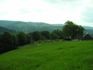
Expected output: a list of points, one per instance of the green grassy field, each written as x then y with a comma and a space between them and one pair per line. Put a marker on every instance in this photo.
55, 55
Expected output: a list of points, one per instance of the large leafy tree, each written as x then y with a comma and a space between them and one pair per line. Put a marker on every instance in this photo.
72, 31
7, 42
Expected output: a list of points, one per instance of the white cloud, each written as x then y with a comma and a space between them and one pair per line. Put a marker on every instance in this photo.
51, 11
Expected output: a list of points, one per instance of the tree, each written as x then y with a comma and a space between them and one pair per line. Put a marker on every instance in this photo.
72, 31
59, 33
7, 42
45, 35
29, 40
54, 35
22, 38
80, 32
36, 36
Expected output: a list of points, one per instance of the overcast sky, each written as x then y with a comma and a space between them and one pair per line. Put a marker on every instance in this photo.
49, 11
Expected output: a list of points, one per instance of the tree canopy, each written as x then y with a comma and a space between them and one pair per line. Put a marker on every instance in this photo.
72, 30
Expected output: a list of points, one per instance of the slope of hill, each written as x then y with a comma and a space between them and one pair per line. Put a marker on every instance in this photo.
89, 29
3, 29
19, 26
55, 55
28, 26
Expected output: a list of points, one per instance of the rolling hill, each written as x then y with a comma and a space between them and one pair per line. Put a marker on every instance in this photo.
3, 29
20, 26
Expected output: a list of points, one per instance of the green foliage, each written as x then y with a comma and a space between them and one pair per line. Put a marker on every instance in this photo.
45, 35
59, 33
72, 30
18, 26
54, 55
7, 42
36, 36
22, 38
55, 35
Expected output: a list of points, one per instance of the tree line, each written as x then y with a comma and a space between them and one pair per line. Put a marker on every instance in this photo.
70, 31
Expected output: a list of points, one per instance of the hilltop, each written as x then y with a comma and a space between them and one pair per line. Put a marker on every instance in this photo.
20, 26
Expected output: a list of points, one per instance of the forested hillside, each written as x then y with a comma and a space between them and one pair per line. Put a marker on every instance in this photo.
20, 26
3, 29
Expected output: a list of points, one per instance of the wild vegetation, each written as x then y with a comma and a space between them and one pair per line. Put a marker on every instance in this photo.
70, 31
67, 49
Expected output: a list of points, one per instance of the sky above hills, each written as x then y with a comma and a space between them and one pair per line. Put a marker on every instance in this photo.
49, 11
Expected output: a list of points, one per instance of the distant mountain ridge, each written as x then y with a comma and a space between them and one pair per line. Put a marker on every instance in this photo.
19, 26
2, 29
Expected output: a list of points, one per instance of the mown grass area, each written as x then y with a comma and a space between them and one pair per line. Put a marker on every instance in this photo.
55, 55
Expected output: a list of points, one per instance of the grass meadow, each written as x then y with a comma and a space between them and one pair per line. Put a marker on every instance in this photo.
50, 55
